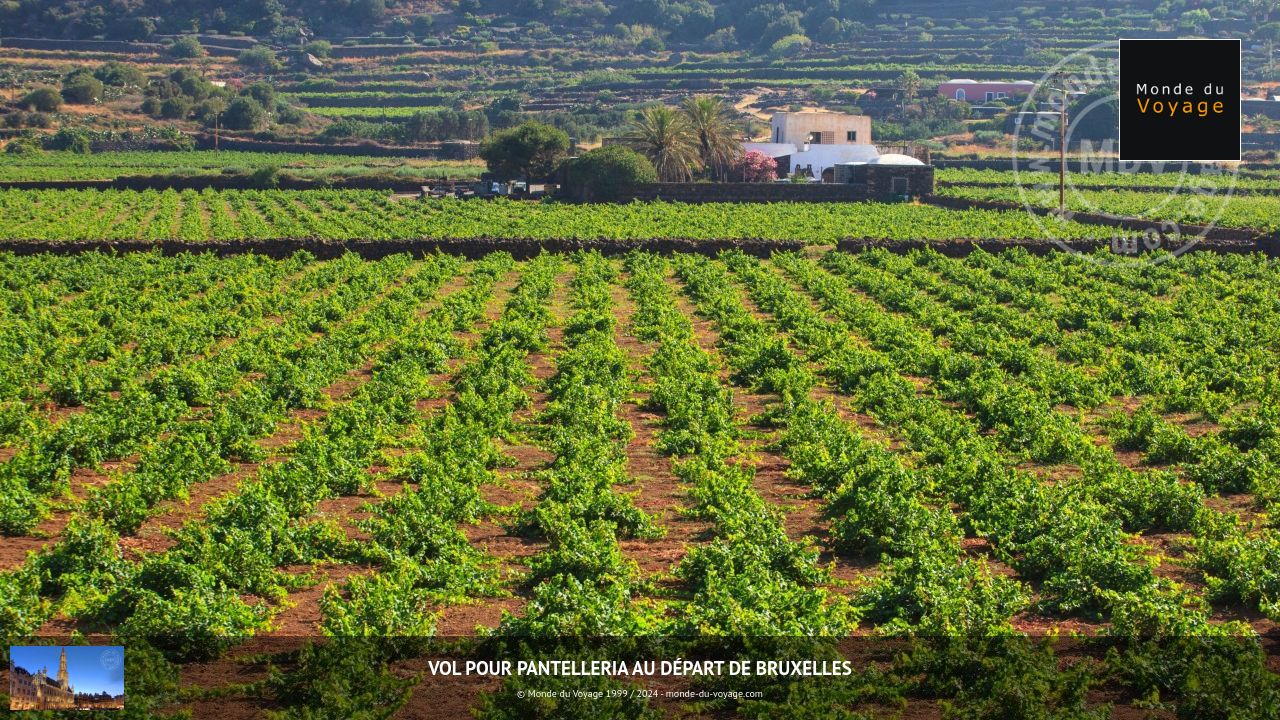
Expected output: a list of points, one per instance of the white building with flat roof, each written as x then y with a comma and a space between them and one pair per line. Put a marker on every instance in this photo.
816, 141
820, 128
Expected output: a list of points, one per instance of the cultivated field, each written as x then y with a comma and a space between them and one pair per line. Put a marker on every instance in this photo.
209, 215
296, 437
63, 166
206, 454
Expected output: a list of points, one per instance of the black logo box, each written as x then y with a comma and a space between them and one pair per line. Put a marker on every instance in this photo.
1186, 68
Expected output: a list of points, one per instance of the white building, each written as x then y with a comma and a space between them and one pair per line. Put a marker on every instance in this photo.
816, 141
820, 128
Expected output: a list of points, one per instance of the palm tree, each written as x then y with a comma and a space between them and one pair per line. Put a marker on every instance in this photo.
714, 132
908, 86
664, 136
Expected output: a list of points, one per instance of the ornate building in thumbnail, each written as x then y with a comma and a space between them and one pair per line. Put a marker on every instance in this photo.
38, 691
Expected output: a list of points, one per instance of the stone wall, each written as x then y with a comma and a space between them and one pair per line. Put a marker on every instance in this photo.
120, 46
1139, 225
225, 182
1260, 141
1267, 108
1075, 165
878, 181
746, 192
520, 248
440, 151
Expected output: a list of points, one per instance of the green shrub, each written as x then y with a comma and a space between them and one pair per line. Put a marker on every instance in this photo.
43, 99
319, 48
186, 47
82, 90
73, 140
605, 173
265, 177
789, 45
120, 74
175, 108
528, 151
244, 113
382, 605
261, 58
23, 146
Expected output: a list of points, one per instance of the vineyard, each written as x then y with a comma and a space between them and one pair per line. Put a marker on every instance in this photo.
204, 216
307, 432
213, 460
62, 166
1210, 203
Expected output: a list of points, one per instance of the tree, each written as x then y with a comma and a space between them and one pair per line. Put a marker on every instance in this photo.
1194, 19
43, 99
715, 133
605, 173
831, 30
20, 118
261, 58
82, 90
23, 146
723, 39
209, 111
529, 150
186, 47
120, 74
664, 136
756, 167
368, 11
175, 108
504, 111
1271, 34
1094, 116
698, 22
244, 113
74, 140
788, 45
443, 125
907, 84
136, 28
423, 24
785, 26
189, 82
319, 48
263, 92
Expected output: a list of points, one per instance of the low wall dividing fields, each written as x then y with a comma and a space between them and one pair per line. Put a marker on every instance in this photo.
106, 46
1117, 221
961, 247
225, 182
745, 192
436, 151
520, 248
1075, 165
1075, 185
524, 248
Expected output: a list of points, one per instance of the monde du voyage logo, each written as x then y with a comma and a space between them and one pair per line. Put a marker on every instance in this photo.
1180, 100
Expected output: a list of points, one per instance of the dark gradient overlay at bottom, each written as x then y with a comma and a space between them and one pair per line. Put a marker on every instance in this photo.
1052, 677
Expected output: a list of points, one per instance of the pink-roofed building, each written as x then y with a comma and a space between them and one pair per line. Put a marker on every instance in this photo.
975, 91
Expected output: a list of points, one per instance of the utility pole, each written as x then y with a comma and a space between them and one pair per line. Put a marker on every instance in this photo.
1062, 157
217, 116
1062, 143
